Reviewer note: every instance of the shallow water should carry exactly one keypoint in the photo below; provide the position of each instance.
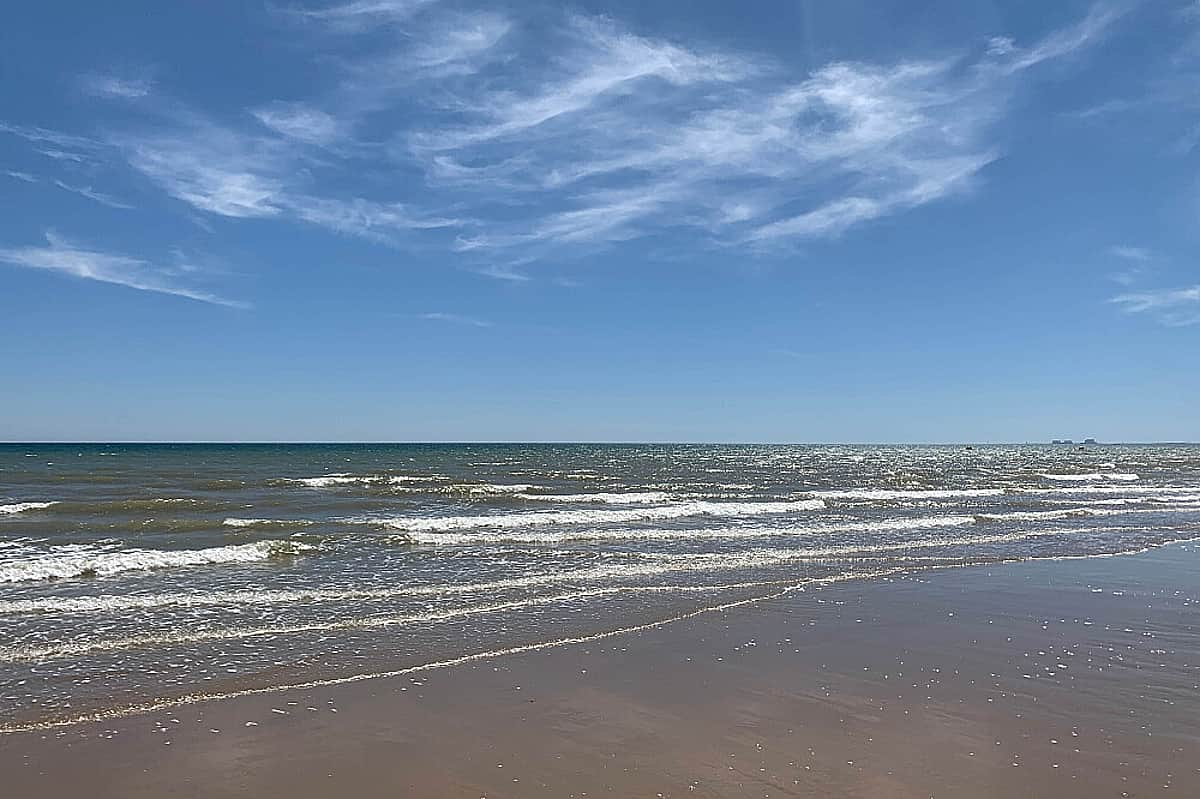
(135, 572)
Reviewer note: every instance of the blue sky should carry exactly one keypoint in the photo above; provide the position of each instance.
(436, 220)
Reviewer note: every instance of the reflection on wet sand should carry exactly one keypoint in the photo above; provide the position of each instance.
(1069, 678)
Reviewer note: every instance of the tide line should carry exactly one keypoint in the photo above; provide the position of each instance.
(192, 699)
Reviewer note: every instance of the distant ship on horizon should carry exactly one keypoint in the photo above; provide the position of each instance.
(1069, 441)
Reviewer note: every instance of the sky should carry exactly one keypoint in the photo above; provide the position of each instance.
(426, 220)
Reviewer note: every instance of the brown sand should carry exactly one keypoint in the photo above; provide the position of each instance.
(1066, 679)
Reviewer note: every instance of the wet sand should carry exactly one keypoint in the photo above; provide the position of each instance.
(1073, 678)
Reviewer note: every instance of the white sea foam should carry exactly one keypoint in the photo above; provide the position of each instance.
(21, 507)
(1040, 515)
(887, 494)
(1114, 501)
(1124, 489)
(526, 535)
(106, 603)
(65, 562)
(346, 479)
(326, 480)
(154, 705)
(162, 704)
(1144, 499)
(884, 494)
(605, 498)
(76, 648)
(761, 558)
(1091, 476)
(236, 522)
(650, 565)
(535, 536)
(491, 488)
(533, 519)
(1069, 513)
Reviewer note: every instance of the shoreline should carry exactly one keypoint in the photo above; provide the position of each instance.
(837, 690)
(785, 588)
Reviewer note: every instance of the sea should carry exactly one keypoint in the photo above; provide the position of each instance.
(146, 576)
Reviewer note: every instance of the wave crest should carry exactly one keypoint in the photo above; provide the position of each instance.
(603, 497)
(59, 566)
(21, 507)
(535, 518)
(1126, 477)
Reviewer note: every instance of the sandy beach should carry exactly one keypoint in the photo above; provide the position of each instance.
(1070, 678)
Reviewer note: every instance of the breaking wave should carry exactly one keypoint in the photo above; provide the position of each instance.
(346, 479)
(1121, 476)
(533, 519)
(236, 522)
(75, 562)
(21, 507)
(884, 494)
(604, 498)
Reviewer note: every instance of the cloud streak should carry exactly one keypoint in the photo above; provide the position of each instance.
(111, 86)
(242, 174)
(360, 15)
(455, 319)
(1139, 255)
(59, 255)
(83, 191)
(93, 195)
(1177, 307)
(24, 177)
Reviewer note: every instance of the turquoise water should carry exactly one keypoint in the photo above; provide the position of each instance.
(135, 572)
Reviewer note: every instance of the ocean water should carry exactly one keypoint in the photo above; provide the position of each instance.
(146, 575)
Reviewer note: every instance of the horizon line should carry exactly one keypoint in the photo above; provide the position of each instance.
(562, 442)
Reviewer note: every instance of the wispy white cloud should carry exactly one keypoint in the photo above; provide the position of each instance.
(359, 15)
(1070, 39)
(604, 63)
(632, 135)
(59, 255)
(1000, 46)
(211, 169)
(455, 45)
(1172, 307)
(63, 155)
(1165, 102)
(503, 272)
(101, 85)
(45, 136)
(233, 175)
(455, 319)
(359, 217)
(256, 174)
(609, 215)
(518, 147)
(65, 148)
(22, 176)
(92, 194)
(1138, 260)
(301, 122)
(83, 191)
(1130, 253)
